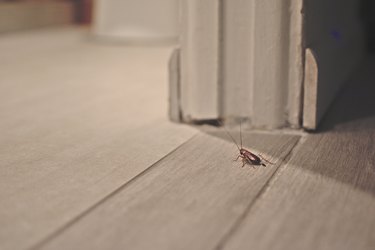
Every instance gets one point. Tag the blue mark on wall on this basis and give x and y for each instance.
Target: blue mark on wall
(336, 35)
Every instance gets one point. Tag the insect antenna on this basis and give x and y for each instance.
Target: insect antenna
(241, 133)
(239, 149)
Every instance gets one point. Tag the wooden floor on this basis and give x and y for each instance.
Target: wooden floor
(89, 160)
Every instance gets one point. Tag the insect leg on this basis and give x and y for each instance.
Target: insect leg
(264, 159)
(238, 157)
(243, 161)
(246, 161)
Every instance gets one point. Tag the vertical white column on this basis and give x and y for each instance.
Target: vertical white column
(296, 60)
(199, 59)
(271, 40)
(237, 61)
(242, 59)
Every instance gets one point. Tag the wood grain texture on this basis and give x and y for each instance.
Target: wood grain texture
(189, 200)
(325, 196)
(78, 121)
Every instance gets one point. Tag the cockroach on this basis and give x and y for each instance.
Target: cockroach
(247, 156)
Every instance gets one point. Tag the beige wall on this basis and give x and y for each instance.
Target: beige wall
(21, 15)
(334, 33)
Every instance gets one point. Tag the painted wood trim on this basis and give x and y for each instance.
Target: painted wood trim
(237, 58)
(337, 43)
(310, 91)
(296, 64)
(270, 89)
(199, 59)
(242, 59)
(174, 86)
(262, 62)
(245, 59)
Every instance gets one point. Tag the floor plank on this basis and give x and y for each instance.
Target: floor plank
(78, 121)
(325, 197)
(189, 200)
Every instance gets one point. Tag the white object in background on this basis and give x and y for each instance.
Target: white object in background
(233, 63)
(244, 60)
(136, 20)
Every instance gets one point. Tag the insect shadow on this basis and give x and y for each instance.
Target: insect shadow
(246, 155)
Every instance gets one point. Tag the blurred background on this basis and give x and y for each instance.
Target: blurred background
(134, 20)
(18, 15)
(83, 113)
(129, 19)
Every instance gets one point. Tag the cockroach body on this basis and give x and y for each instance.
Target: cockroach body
(252, 159)
(247, 156)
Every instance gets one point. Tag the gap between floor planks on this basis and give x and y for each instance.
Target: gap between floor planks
(325, 196)
(189, 200)
(322, 199)
(78, 121)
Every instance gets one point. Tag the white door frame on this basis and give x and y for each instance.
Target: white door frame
(245, 59)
